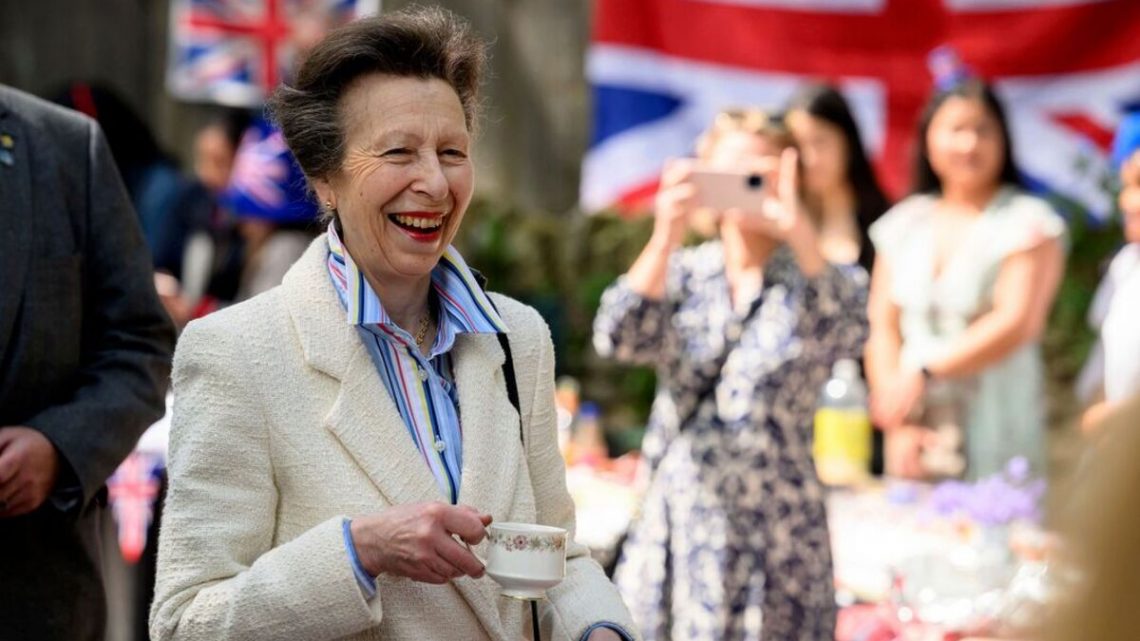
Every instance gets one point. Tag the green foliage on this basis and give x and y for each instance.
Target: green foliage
(1068, 337)
(561, 265)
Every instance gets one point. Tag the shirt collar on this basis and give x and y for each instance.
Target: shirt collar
(464, 306)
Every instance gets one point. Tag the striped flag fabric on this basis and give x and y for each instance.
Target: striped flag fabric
(234, 52)
(659, 70)
(132, 491)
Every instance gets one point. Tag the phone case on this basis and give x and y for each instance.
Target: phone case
(720, 190)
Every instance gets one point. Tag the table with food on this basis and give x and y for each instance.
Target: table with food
(916, 561)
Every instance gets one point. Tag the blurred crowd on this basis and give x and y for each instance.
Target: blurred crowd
(957, 281)
(944, 307)
(745, 300)
(222, 232)
(958, 295)
(943, 297)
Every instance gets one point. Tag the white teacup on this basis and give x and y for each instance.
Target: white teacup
(525, 559)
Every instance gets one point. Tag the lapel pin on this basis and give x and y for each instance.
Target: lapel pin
(7, 144)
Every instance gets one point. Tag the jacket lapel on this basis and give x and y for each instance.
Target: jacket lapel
(364, 418)
(490, 460)
(16, 230)
(490, 426)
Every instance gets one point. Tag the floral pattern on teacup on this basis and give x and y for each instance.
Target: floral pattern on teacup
(522, 542)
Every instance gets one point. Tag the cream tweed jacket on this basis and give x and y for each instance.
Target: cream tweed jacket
(282, 427)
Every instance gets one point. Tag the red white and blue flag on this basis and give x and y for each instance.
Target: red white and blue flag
(234, 52)
(266, 182)
(660, 69)
(133, 490)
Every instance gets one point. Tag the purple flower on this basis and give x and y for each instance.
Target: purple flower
(902, 493)
(1018, 469)
(994, 500)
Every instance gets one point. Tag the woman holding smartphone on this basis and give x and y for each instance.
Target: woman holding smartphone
(732, 542)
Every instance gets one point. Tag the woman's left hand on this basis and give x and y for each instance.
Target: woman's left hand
(783, 217)
(900, 399)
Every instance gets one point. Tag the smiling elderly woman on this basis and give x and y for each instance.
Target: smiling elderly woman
(336, 437)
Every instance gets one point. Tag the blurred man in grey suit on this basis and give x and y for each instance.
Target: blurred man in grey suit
(84, 362)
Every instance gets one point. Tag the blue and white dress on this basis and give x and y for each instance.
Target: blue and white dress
(732, 542)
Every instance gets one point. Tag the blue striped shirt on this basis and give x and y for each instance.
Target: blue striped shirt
(422, 387)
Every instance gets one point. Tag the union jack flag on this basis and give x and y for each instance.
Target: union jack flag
(234, 52)
(132, 491)
(659, 70)
(266, 182)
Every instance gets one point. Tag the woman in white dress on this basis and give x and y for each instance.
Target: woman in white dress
(965, 274)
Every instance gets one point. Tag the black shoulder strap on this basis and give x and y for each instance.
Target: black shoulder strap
(509, 362)
(509, 374)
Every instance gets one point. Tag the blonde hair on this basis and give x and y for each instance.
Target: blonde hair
(765, 123)
(768, 125)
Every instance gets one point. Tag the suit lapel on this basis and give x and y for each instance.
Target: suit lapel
(490, 426)
(16, 227)
(490, 461)
(364, 418)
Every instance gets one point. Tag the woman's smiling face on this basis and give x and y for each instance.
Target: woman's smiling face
(406, 180)
(965, 145)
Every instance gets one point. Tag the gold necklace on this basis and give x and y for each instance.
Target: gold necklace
(421, 333)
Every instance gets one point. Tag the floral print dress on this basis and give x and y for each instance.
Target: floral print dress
(732, 541)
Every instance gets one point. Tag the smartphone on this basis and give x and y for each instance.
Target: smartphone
(727, 189)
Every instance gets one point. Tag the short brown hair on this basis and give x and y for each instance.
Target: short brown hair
(417, 42)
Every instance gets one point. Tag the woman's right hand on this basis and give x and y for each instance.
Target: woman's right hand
(674, 203)
(675, 199)
(416, 541)
(892, 404)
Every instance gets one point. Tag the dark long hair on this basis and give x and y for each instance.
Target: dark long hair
(925, 180)
(826, 103)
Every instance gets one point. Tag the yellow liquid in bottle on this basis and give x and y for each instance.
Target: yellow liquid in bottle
(842, 445)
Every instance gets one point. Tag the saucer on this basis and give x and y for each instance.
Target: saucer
(523, 588)
(524, 595)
